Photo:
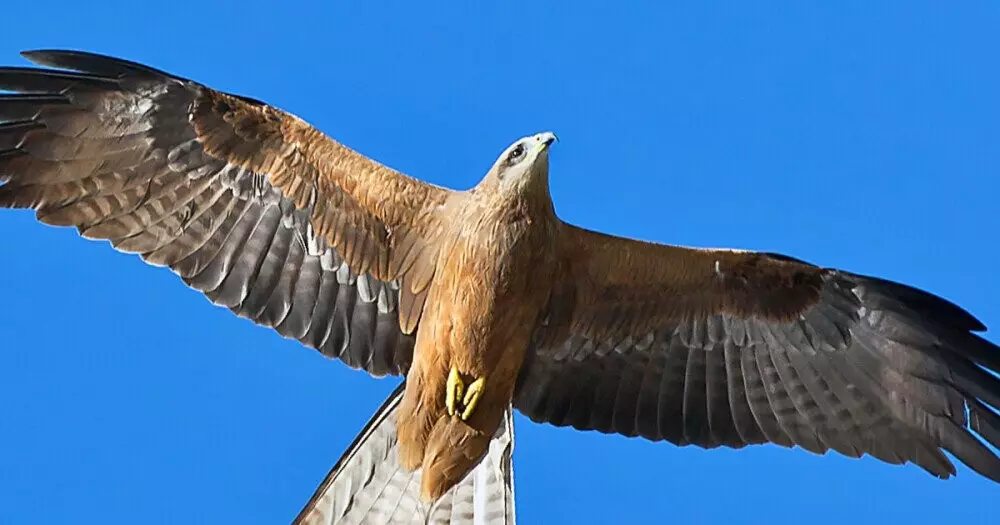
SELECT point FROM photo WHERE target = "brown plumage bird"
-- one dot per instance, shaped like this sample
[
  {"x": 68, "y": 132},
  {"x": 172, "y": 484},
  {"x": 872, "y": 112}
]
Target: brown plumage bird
[{"x": 484, "y": 298}]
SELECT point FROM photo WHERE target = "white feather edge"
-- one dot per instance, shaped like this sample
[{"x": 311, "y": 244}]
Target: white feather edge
[{"x": 368, "y": 486}]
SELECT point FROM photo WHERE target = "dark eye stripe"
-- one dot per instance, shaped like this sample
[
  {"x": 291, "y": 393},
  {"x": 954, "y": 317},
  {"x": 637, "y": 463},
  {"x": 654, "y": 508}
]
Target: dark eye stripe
[{"x": 516, "y": 153}]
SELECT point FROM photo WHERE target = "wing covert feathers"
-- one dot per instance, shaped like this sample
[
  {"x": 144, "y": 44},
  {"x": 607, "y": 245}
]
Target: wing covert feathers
[
  {"x": 727, "y": 348},
  {"x": 248, "y": 204}
]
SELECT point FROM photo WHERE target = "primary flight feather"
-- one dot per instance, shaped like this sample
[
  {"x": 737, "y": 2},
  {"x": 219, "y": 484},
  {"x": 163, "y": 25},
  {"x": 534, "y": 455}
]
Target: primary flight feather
[{"x": 483, "y": 298}]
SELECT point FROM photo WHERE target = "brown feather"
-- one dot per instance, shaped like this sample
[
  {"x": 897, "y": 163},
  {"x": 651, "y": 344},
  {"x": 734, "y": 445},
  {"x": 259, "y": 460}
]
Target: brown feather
[
  {"x": 811, "y": 357},
  {"x": 183, "y": 174},
  {"x": 674, "y": 283},
  {"x": 287, "y": 227},
  {"x": 301, "y": 161}
]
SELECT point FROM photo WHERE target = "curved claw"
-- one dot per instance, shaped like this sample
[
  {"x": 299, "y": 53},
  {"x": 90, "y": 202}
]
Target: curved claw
[
  {"x": 453, "y": 391},
  {"x": 459, "y": 399},
  {"x": 472, "y": 396}
]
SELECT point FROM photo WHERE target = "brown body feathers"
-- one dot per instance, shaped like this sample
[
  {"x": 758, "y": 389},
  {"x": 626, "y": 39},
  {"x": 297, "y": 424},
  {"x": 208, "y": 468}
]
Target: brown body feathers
[{"x": 286, "y": 227}]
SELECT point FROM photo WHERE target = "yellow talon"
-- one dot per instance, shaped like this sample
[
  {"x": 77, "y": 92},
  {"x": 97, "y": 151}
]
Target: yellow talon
[
  {"x": 472, "y": 396},
  {"x": 453, "y": 391}
]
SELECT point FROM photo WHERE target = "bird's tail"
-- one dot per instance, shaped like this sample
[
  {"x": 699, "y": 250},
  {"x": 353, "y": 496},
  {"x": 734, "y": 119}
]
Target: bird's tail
[{"x": 368, "y": 484}]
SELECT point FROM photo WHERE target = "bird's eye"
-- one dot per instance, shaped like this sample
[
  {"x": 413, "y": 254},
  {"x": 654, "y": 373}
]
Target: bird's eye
[{"x": 516, "y": 153}]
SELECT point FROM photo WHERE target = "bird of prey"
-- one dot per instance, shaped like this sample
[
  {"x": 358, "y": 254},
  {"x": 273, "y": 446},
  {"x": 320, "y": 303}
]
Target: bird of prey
[
  {"x": 485, "y": 298},
  {"x": 368, "y": 484}
]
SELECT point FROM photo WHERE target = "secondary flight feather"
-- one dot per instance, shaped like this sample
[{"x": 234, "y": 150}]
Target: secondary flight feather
[{"x": 483, "y": 298}]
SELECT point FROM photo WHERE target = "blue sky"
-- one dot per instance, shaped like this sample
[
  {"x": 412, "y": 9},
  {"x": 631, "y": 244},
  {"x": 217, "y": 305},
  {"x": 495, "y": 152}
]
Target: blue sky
[{"x": 859, "y": 136}]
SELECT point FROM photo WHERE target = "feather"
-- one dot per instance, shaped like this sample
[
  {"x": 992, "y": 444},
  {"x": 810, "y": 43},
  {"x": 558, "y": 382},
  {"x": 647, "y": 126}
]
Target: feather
[
  {"x": 219, "y": 188},
  {"x": 367, "y": 484},
  {"x": 808, "y": 357}
]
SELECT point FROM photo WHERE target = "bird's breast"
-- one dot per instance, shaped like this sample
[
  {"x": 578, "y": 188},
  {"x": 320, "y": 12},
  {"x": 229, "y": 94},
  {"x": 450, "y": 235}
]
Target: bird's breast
[{"x": 494, "y": 281}]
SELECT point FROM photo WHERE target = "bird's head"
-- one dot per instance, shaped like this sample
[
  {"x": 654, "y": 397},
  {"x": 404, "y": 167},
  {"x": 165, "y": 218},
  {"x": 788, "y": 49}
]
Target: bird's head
[{"x": 523, "y": 166}]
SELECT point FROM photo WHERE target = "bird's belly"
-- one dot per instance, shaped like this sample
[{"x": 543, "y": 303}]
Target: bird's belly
[
  {"x": 481, "y": 311},
  {"x": 486, "y": 312},
  {"x": 478, "y": 319}
]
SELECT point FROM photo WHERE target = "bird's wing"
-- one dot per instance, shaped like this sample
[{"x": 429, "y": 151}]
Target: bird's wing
[
  {"x": 248, "y": 204},
  {"x": 723, "y": 347},
  {"x": 368, "y": 485}
]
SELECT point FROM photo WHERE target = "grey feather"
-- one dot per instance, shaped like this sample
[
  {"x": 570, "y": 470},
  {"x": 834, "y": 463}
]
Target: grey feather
[
  {"x": 112, "y": 149},
  {"x": 874, "y": 367},
  {"x": 368, "y": 485}
]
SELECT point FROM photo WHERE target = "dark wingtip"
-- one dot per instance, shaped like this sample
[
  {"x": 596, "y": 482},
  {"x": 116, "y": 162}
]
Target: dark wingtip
[
  {"x": 933, "y": 306},
  {"x": 27, "y": 53},
  {"x": 92, "y": 63},
  {"x": 98, "y": 65},
  {"x": 50, "y": 57}
]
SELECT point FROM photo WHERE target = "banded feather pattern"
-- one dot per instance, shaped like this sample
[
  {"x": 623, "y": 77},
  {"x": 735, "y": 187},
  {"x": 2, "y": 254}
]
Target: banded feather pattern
[
  {"x": 729, "y": 348},
  {"x": 248, "y": 204},
  {"x": 267, "y": 216},
  {"x": 368, "y": 485}
]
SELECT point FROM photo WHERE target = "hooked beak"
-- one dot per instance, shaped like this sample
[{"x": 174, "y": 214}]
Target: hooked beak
[{"x": 544, "y": 140}]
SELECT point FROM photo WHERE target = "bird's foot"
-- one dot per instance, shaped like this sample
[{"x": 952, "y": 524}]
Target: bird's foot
[
  {"x": 459, "y": 400},
  {"x": 472, "y": 396},
  {"x": 453, "y": 391}
]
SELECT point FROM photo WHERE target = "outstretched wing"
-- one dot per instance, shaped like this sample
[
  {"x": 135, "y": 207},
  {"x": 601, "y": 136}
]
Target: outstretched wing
[
  {"x": 368, "y": 485},
  {"x": 717, "y": 347},
  {"x": 248, "y": 204}
]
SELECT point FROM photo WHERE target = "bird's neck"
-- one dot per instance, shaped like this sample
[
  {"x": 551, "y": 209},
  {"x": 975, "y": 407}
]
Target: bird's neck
[
  {"x": 531, "y": 201},
  {"x": 525, "y": 206}
]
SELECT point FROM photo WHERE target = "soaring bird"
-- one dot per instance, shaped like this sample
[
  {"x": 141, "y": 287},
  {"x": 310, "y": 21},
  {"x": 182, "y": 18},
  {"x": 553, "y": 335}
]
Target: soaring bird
[{"x": 484, "y": 298}]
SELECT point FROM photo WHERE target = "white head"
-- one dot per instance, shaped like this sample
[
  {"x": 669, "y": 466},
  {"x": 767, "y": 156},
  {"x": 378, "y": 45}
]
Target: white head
[{"x": 523, "y": 165}]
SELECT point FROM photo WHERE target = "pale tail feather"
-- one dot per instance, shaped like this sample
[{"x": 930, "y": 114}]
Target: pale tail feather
[{"x": 368, "y": 485}]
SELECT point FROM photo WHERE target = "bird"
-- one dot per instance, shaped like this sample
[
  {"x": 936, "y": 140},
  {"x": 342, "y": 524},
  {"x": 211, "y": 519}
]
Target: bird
[
  {"x": 368, "y": 484},
  {"x": 483, "y": 299}
]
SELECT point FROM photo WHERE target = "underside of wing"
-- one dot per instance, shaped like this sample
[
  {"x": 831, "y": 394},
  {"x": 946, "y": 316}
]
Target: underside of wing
[
  {"x": 728, "y": 348},
  {"x": 368, "y": 485},
  {"x": 248, "y": 204}
]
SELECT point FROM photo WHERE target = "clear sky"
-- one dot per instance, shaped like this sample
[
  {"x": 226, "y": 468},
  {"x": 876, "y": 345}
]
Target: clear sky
[{"x": 864, "y": 136}]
